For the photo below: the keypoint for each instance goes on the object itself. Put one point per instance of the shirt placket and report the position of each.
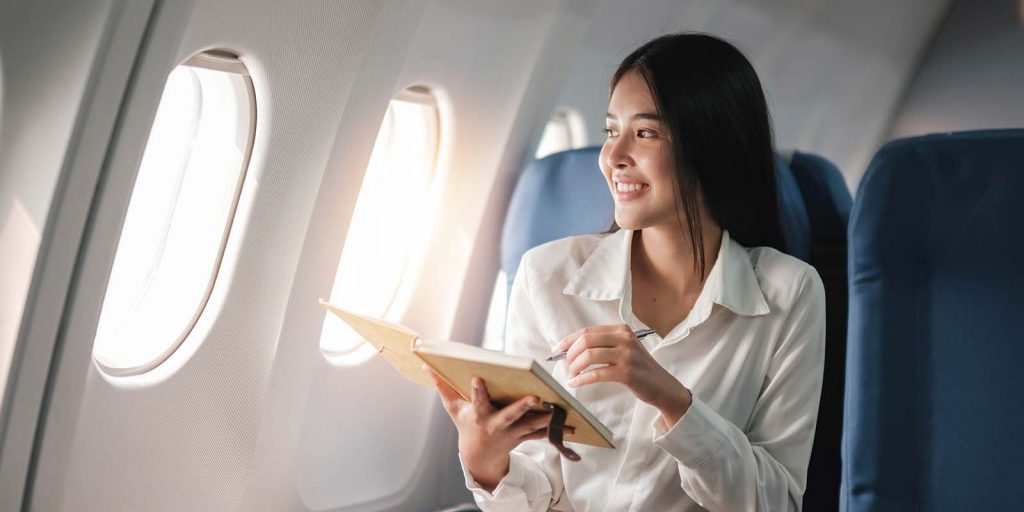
(630, 319)
(620, 496)
(625, 484)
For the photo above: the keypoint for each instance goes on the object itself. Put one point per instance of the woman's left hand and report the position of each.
(628, 362)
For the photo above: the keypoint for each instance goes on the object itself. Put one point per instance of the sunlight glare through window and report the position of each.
(387, 224)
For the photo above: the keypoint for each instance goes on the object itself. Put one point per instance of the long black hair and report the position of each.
(710, 99)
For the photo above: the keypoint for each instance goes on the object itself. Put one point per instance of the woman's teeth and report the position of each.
(630, 187)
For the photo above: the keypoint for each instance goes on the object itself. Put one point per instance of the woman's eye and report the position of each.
(646, 134)
(608, 132)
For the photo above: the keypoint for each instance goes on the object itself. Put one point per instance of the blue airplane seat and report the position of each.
(565, 194)
(796, 226)
(825, 194)
(828, 203)
(936, 338)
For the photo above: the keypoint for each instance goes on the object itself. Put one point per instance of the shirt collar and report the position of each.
(731, 283)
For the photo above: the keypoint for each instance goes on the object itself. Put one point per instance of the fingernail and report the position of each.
(476, 383)
(532, 401)
(572, 382)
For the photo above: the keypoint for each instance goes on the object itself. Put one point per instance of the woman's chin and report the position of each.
(630, 222)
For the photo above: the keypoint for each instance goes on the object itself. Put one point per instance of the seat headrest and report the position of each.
(825, 194)
(936, 193)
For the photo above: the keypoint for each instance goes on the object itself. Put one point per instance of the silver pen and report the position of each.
(639, 334)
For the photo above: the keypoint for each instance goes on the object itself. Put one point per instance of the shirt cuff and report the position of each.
(512, 482)
(695, 438)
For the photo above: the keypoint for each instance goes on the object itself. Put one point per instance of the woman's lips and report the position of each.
(633, 194)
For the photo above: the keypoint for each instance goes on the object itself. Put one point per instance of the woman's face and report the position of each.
(636, 158)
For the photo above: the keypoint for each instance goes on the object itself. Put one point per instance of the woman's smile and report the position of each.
(629, 190)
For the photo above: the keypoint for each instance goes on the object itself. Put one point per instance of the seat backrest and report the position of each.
(565, 194)
(796, 226)
(828, 209)
(936, 337)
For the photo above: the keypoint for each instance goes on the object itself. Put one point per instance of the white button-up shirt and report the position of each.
(751, 350)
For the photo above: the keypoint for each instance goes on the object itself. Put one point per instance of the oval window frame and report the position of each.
(228, 62)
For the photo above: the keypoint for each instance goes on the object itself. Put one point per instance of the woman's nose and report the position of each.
(618, 155)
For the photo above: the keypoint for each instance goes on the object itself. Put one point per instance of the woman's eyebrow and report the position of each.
(641, 115)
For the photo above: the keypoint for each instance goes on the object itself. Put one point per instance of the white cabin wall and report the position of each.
(184, 436)
(833, 71)
(247, 414)
(617, 28)
(67, 66)
(973, 76)
(46, 55)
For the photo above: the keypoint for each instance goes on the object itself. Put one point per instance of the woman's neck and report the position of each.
(663, 254)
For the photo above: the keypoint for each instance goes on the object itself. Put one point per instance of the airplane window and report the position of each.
(494, 330)
(387, 223)
(179, 215)
(564, 131)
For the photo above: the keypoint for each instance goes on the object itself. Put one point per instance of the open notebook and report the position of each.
(508, 377)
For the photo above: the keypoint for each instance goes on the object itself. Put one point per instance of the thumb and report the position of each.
(449, 396)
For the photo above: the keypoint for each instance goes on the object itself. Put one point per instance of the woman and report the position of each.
(717, 409)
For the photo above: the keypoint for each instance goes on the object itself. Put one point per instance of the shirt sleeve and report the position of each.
(534, 479)
(765, 469)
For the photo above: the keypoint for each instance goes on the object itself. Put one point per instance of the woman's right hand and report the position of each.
(487, 434)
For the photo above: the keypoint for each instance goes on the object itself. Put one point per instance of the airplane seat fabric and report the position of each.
(826, 197)
(933, 390)
(563, 194)
(796, 226)
(828, 204)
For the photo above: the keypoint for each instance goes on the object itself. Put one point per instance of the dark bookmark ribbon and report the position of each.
(556, 429)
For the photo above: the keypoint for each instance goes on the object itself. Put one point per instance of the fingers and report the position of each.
(568, 341)
(480, 398)
(605, 374)
(449, 397)
(598, 355)
(542, 433)
(537, 434)
(512, 412)
(530, 423)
